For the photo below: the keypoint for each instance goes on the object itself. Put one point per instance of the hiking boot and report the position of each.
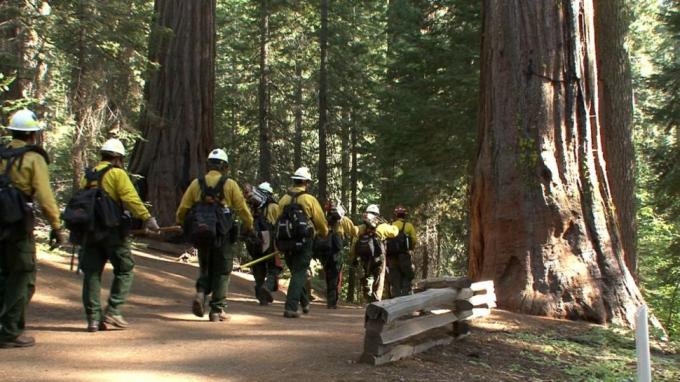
(291, 314)
(305, 308)
(17, 342)
(264, 303)
(94, 325)
(198, 306)
(116, 320)
(218, 316)
(267, 294)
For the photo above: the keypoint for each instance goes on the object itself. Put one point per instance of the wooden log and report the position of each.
(392, 309)
(171, 248)
(480, 286)
(382, 354)
(402, 329)
(481, 299)
(462, 305)
(489, 305)
(443, 282)
(479, 312)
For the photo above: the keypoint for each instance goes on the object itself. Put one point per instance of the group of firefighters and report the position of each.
(268, 228)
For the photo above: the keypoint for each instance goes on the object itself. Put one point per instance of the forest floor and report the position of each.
(166, 342)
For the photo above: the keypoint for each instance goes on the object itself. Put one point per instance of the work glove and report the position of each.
(151, 224)
(57, 238)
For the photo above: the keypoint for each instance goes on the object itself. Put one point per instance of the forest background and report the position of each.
(378, 98)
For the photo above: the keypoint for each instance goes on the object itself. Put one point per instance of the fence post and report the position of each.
(644, 371)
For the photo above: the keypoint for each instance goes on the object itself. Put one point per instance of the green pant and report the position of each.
(373, 279)
(17, 283)
(93, 258)
(298, 262)
(401, 274)
(215, 264)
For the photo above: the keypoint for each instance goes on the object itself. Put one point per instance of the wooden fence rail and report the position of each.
(404, 326)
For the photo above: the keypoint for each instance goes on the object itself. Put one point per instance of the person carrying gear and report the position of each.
(329, 250)
(265, 210)
(23, 179)
(399, 264)
(113, 244)
(206, 213)
(300, 218)
(369, 250)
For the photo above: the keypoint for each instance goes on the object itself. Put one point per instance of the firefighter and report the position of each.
(265, 210)
(114, 245)
(300, 220)
(23, 168)
(399, 264)
(329, 251)
(369, 250)
(215, 258)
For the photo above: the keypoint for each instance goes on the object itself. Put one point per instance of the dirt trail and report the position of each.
(166, 342)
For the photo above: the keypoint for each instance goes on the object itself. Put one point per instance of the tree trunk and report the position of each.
(82, 132)
(344, 159)
(323, 103)
(543, 225)
(177, 125)
(263, 96)
(616, 117)
(298, 115)
(352, 279)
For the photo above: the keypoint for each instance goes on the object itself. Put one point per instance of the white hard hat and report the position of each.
(373, 209)
(302, 174)
(219, 154)
(265, 186)
(114, 146)
(24, 120)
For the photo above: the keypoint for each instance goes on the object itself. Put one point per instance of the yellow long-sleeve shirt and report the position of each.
(346, 228)
(118, 186)
(409, 230)
(233, 198)
(272, 213)
(311, 207)
(382, 231)
(33, 179)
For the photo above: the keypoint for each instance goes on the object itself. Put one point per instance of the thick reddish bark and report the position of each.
(542, 221)
(178, 123)
(616, 117)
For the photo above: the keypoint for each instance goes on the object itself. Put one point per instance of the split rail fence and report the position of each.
(435, 315)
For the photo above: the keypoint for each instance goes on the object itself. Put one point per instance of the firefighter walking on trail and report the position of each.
(206, 213)
(300, 219)
(265, 210)
(399, 264)
(329, 251)
(103, 234)
(369, 250)
(23, 179)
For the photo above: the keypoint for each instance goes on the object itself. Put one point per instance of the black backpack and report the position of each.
(91, 215)
(16, 213)
(208, 223)
(398, 244)
(369, 245)
(292, 227)
(260, 224)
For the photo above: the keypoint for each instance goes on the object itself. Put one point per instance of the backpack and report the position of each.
(208, 222)
(16, 213)
(369, 246)
(398, 244)
(292, 228)
(260, 243)
(91, 214)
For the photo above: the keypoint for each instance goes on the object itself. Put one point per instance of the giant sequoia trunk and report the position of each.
(616, 117)
(178, 122)
(542, 220)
